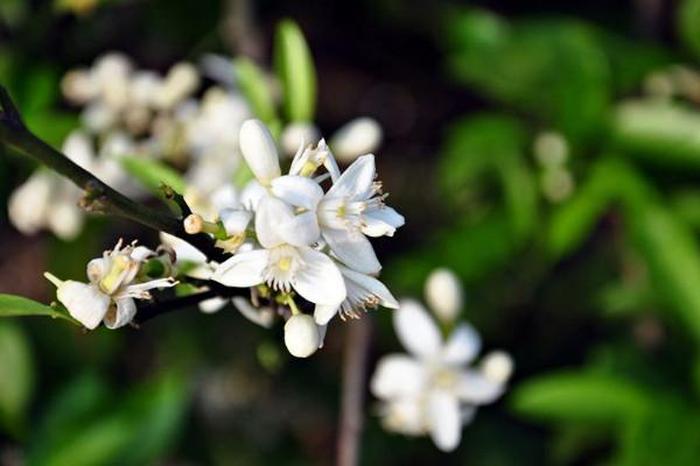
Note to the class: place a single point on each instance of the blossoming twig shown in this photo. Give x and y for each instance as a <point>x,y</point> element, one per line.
<point>99,197</point>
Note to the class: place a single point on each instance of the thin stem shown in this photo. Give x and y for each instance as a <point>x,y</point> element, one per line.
<point>155,309</point>
<point>99,197</point>
<point>353,392</point>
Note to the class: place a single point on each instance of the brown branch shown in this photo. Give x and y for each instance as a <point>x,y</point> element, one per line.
<point>350,427</point>
<point>99,197</point>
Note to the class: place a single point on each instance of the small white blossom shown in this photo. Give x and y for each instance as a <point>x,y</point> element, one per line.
<point>109,296</point>
<point>432,391</point>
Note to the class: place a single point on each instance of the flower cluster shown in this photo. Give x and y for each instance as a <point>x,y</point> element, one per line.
<point>432,390</point>
<point>115,280</point>
<point>136,113</point>
<point>290,237</point>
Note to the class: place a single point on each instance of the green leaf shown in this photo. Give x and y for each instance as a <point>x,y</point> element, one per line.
<point>256,89</point>
<point>17,306</point>
<point>295,68</point>
<point>153,174</point>
<point>659,133</point>
<point>490,147</point>
<point>16,376</point>
<point>688,23</point>
<point>554,69</point>
<point>673,257</point>
<point>583,397</point>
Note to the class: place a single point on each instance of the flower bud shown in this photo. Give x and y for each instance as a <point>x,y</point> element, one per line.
<point>444,295</point>
<point>497,366</point>
<point>301,335</point>
<point>182,80</point>
<point>259,150</point>
<point>357,137</point>
<point>296,134</point>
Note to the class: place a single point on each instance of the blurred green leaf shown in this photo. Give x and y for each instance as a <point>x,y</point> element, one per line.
<point>18,306</point>
<point>158,411</point>
<point>16,376</point>
<point>153,174</point>
<point>295,68</point>
<point>660,133</point>
<point>688,25</point>
<point>579,396</point>
<point>53,127</point>
<point>89,425</point>
<point>256,89</point>
<point>669,435</point>
<point>552,68</point>
<point>491,145</point>
<point>13,11</point>
<point>471,250</point>
<point>673,257</point>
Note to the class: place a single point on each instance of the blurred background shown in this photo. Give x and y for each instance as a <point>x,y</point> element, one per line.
<point>548,152</point>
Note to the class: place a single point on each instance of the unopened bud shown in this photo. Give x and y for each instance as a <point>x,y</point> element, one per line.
<point>193,224</point>
<point>358,137</point>
<point>497,366</point>
<point>301,335</point>
<point>444,294</point>
<point>296,134</point>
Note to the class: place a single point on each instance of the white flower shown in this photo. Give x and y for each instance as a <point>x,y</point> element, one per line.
<point>109,296</point>
<point>432,390</point>
<point>359,136</point>
<point>444,294</point>
<point>287,262</point>
<point>352,208</point>
<point>363,292</point>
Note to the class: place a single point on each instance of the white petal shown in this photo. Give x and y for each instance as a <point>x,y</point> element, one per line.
<point>78,148</point>
<point>462,346</point>
<point>444,419</point>
<point>252,194</point>
<point>353,249</point>
<point>381,222</point>
<point>319,279</point>
<point>322,330</point>
<point>359,136</point>
<point>263,317</point>
<point>300,230</point>
<point>235,221</point>
<point>29,204</point>
<point>259,150</point>
<point>356,181</point>
<point>270,215</point>
<point>225,197</point>
<point>474,388</point>
<point>398,375</point>
<point>298,134</point>
<point>212,305</point>
<point>416,330</point>
<point>323,313</point>
<point>66,219</point>
<point>243,269</point>
<point>120,315</point>
<point>184,251</point>
<point>370,286</point>
<point>85,303</point>
<point>301,336</point>
<point>298,191</point>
